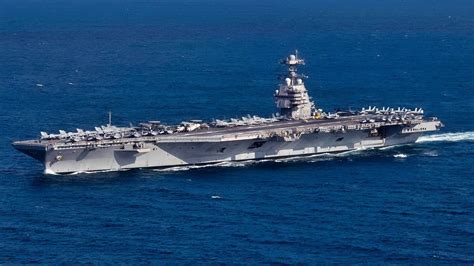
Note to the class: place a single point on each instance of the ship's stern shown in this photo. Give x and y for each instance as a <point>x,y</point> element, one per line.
<point>32,148</point>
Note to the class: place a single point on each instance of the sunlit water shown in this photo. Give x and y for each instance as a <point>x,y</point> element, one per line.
<point>65,64</point>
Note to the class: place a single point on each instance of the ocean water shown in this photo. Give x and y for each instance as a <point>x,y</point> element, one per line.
<point>65,64</point>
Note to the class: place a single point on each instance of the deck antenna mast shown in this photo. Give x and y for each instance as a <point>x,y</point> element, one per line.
<point>291,97</point>
<point>110,118</point>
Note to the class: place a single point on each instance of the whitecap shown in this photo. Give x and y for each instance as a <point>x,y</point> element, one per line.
<point>400,155</point>
<point>431,153</point>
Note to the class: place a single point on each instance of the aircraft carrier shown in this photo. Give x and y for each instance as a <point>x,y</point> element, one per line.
<point>298,129</point>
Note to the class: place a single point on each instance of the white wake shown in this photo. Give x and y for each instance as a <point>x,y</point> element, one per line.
<point>448,137</point>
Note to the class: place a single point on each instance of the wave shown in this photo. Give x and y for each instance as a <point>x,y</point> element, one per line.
<point>400,155</point>
<point>431,153</point>
<point>448,137</point>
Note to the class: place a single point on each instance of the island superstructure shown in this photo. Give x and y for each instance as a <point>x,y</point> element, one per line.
<point>298,129</point>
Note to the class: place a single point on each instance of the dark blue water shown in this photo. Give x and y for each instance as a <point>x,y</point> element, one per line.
<point>64,64</point>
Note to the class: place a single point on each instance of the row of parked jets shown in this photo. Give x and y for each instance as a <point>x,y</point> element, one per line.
<point>154,128</point>
<point>391,111</point>
<point>391,114</point>
<point>151,129</point>
<point>113,132</point>
<point>245,121</point>
<point>383,114</point>
<point>100,133</point>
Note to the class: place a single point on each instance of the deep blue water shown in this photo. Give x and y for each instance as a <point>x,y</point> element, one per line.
<point>64,64</point>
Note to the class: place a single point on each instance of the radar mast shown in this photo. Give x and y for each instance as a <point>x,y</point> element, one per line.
<point>291,97</point>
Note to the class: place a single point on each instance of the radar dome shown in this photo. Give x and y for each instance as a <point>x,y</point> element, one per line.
<point>288,81</point>
<point>299,81</point>
<point>292,57</point>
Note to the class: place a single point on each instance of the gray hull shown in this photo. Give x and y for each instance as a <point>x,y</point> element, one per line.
<point>154,155</point>
<point>299,129</point>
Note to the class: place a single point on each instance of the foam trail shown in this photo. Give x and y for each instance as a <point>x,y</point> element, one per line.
<point>448,137</point>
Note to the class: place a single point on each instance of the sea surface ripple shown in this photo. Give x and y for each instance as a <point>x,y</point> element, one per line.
<point>65,64</point>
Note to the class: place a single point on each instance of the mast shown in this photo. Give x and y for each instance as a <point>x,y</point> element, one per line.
<point>292,97</point>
